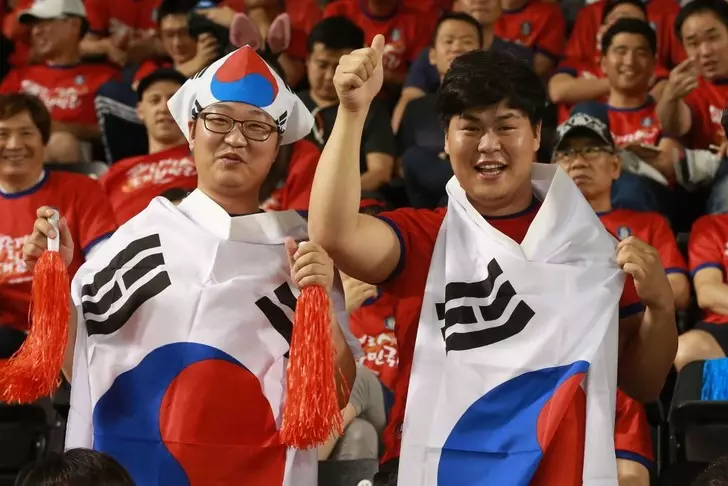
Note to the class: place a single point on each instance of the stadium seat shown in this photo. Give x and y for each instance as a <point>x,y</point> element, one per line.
<point>347,473</point>
<point>91,169</point>
<point>698,427</point>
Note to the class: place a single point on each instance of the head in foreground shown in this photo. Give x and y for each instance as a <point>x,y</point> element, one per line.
<point>75,467</point>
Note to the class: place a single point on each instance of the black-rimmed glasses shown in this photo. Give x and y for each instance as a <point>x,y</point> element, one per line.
<point>587,153</point>
<point>255,130</point>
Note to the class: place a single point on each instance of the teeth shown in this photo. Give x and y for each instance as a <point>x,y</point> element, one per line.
<point>489,166</point>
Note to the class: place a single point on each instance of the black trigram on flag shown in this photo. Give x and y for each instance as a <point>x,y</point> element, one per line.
<point>276,315</point>
<point>460,338</point>
<point>132,277</point>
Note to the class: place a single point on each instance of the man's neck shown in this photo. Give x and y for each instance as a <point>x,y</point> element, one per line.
<point>488,36</point>
<point>506,208</point>
<point>234,203</point>
<point>627,100</point>
<point>513,4</point>
<point>377,8</point>
<point>68,58</point>
<point>14,186</point>
<point>601,204</point>
<point>155,146</point>
<point>320,102</point>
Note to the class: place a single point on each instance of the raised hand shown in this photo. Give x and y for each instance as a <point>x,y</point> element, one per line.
<point>359,76</point>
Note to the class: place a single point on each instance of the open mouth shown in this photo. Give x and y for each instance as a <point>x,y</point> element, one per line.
<point>13,158</point>
<point>490,169</point>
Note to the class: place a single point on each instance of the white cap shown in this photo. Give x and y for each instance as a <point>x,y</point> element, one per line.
<point>53,9</point>
<point>242,76</point>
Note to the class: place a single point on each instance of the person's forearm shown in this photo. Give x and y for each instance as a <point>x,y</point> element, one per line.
<point>649,355</point>
<point>373,180</point>
<point>81,131</point>
<point>67,367</point>
<point>94,46</point>
<point>575,90</point>
<point>670,115</point>
<point>345,366</point>
<point>336,189</point>
<point>713,297</point>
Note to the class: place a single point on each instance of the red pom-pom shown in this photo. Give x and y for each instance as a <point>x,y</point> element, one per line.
<point>34,371</point>
<point>311,412</point>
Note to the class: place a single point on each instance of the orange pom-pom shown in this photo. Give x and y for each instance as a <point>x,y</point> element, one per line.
<point>311,412</point>
<point>34,371</point>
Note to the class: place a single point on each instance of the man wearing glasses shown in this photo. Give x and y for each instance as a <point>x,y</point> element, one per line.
<point>586,151</point>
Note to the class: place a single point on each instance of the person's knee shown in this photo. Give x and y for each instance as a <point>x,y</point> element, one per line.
<point>695,345</point>
<point>360,441</point>
<point>63,148</point>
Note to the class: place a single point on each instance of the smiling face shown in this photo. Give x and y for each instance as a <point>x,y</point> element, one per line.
<point>231,164</point>
<point>453,38</point>
<point>21,150</point>
<point>53,37</point>
<point>629,63</point>
<point>492,151</point>
<point>154,113</point>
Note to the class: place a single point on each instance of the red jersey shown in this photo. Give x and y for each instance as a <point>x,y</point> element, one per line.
<point>80,200</point>
<point>537,24</point>
<point>122,20</point>
<point>295,191</point>
<point>373,325</point>
<point>706,103</point>
<point>304,14</point>
<point>67,91</point>
<point>583,45</point>
<point>635,125</point>
<point>18,33</point>
<point>417,231</point>
<point>708,248</point>
<point>148,67</point>
<point>132,183</point>
<point>653,229</point>
<point>407,31</point>
<point>632,435</point>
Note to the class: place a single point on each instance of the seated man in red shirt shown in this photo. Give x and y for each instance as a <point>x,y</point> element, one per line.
<point>696,93</point>
<point>65,85</point>
<point>708,252</point>
<point>492,136</point>
<point>132,183</point>
<point>25,127</point>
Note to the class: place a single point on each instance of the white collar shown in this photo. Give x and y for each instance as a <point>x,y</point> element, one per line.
<point>263,228</point>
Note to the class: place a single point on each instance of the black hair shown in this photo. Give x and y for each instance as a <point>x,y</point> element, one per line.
<point>461,17</point>
<point>174,7</point>
<point>162,74</point>
<point>75,467</point>
<point>719,8</point>
<point>724,122</point>
<point>481,79</point>
<point>630,26</point>
<point>336,33</point>
<point>715,475</point>
<point>612,4</point>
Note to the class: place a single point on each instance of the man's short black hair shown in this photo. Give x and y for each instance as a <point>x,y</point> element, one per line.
<point>174,7</point>
<point>630,26</point>
<point>481,79</point>
<point>336,33</point>
<point>715,475</point>
<point>462,17</point>
<point>719,8</point>
<point>612,4</point>
<point>77,467</point>
<point>162,74</point>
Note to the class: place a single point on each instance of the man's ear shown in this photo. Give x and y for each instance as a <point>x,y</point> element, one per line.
<point>431,56</point>
<point>537,136</point>
<point>191,130</point>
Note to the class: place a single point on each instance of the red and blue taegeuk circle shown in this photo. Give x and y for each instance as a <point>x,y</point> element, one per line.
<point>245,78</point>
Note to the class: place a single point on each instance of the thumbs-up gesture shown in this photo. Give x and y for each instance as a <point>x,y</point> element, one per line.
<point>359,76</point>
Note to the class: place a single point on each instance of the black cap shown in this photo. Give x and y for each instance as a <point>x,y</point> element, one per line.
<point>162,74</point>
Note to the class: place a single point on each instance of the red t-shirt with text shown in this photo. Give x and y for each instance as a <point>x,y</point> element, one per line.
<point>132,183</point>
<point>708,248</point>
<point>417,230</point>
<point>68,92</point>
<point>637,125</point>
<point>706,103</point>
<point>80,200</point>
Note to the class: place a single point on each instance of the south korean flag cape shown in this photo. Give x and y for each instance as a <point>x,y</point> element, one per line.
<point>184,323</point>
<point>508,335</point>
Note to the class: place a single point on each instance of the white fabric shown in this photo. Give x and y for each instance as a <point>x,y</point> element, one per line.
<point>218,267</point>
<point>53,9</point>
<point>242,76</point>
<point>565,271</point>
